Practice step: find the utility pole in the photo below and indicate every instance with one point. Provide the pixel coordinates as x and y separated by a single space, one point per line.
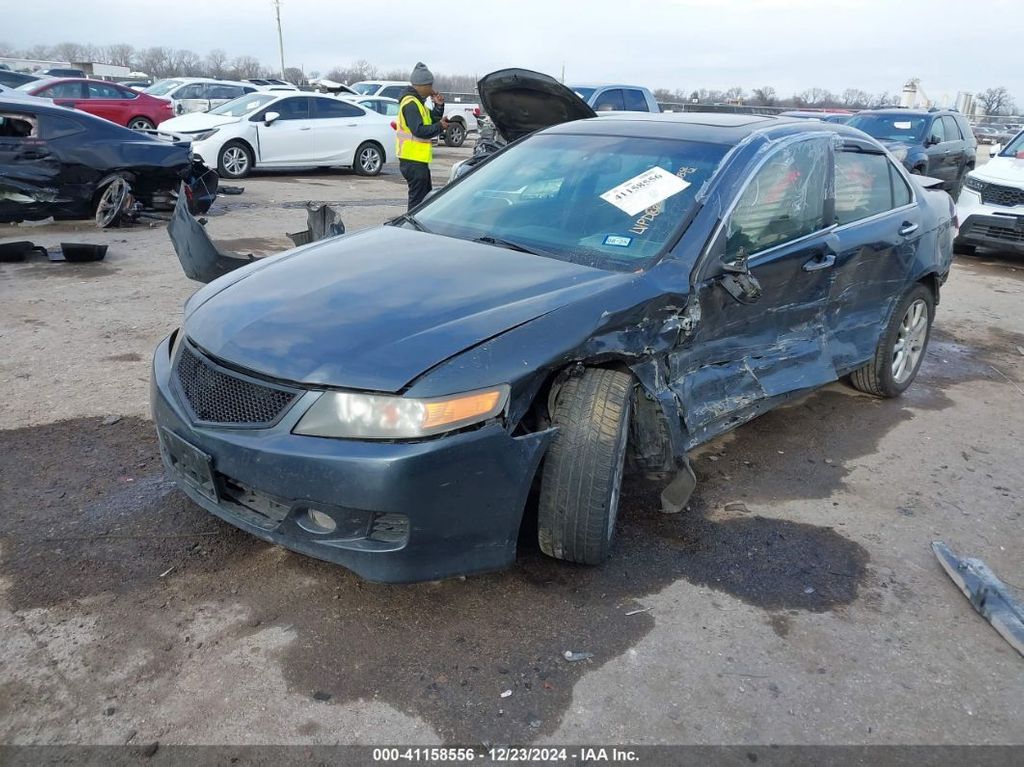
280 36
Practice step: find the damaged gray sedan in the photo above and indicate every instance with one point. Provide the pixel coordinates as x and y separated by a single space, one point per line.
602 295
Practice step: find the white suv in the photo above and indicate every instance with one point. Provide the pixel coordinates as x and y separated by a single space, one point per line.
991 206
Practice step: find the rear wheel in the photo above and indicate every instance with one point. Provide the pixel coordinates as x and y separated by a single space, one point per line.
582 476
369 159
456 134
141 123
901 348
234 160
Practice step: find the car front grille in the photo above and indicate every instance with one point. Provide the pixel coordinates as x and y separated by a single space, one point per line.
216 395
996 232
994 194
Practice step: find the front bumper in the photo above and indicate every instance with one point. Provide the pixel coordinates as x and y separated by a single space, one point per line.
405 512
994 226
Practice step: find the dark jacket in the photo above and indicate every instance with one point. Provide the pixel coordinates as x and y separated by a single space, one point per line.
415 122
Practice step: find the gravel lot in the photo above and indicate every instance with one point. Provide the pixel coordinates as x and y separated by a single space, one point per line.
797 602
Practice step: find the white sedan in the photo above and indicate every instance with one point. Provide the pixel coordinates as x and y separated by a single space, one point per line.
287 130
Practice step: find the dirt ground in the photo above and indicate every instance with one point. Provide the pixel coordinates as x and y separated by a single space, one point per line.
798 601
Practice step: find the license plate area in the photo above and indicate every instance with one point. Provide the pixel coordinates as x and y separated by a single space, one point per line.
191 463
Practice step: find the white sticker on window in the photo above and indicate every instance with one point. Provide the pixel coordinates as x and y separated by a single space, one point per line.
903 125
641 192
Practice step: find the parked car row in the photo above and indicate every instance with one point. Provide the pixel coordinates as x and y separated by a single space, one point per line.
462 115
117 103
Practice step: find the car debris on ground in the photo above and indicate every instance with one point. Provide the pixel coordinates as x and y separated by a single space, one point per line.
986 593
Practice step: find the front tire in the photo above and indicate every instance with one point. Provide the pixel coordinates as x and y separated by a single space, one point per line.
582 476
901 348
235 160
369 159
456 134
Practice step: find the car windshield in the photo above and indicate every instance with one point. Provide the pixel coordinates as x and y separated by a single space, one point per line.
162 87
1015 147
614 202
365 89
891 127
243 105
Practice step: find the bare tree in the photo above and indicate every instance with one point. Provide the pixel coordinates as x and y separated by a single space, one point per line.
246 67
67 52
215 61
120 54
187 63
156 62
765 96
295 76
855 98
41 52
882 99
996 101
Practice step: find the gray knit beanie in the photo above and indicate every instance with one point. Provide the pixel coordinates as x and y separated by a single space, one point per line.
421 75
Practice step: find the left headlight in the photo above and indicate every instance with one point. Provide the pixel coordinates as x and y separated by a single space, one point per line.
350 415
972 183
204 135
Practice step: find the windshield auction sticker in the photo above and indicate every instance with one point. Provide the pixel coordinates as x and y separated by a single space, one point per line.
641 192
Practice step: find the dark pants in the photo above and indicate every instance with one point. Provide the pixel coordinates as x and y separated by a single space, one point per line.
417 175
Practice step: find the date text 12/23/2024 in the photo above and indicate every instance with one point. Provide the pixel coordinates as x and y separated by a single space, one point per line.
503 754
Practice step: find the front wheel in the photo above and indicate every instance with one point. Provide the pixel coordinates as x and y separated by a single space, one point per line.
582 476
369 159
901 348
455 135
234 160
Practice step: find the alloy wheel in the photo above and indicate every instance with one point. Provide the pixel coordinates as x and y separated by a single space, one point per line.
369 160
235 160
910 341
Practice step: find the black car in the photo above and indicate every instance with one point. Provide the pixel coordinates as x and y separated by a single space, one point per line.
56 161
61 72
599 296
938 143
15 79
829 117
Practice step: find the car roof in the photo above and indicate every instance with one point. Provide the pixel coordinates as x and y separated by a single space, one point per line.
913 112
604 85
710 127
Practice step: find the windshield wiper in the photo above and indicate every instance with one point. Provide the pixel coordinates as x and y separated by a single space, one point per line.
410 219
488 240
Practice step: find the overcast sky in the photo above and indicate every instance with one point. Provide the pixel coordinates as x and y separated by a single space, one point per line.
790 44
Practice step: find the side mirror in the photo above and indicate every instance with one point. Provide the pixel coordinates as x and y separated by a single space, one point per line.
269 117
735 277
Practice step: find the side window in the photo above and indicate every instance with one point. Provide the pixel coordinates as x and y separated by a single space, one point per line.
327 108
785 200
635 100
937 132
18 126
951 129
391 110
193 91
863 185
224 92
62 91
291 109
102 91
900 189
392 91
610 101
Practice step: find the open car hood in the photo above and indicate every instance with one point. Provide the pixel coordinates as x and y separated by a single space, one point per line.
519 102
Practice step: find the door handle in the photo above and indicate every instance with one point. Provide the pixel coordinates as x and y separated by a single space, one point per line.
351 125
907 229
818 263
306 127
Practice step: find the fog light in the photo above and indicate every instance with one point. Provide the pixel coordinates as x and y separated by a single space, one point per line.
317 522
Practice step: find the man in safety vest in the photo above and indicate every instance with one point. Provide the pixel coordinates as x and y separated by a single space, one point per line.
417 126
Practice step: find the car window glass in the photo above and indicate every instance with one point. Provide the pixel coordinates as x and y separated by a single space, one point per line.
224 92
937 132
863 185
900 188
952 129
392 91
609 101
102 91
327 108
634 100
291 109
193 91
18 126
785 200
62 91
390 108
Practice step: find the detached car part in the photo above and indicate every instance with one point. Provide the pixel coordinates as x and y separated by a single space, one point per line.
200 258
322 222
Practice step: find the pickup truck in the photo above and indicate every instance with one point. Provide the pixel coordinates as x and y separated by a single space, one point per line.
616 97
461 111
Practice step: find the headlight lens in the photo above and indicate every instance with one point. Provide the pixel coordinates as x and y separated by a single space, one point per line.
350 415
204 135
972 183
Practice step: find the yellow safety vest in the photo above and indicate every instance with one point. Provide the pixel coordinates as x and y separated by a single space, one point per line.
409 146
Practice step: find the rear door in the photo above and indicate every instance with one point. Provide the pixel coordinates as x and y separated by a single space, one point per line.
745 355
108 101
193 97
289 139
338 128
879 227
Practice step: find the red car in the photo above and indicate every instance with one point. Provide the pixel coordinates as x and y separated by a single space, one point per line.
110 101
